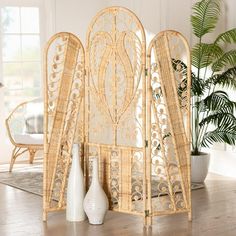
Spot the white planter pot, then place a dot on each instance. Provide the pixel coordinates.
(199, 167)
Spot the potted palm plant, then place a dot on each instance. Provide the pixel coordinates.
(213, 75)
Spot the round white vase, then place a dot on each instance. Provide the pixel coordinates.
(95, 201)
(75, 189)
(199, 167)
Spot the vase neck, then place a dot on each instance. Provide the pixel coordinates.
(95, 177)
(75, 155)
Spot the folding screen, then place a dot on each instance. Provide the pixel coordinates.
(134, 118)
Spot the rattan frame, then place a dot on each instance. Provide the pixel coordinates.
(20, 148)
(177, 200)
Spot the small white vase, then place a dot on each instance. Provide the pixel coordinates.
(75, 189)
(95, 202)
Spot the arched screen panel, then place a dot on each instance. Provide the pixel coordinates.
(169, 84)
(63, 99)
(116, 106)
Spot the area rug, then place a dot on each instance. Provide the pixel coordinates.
(24, 176)
(29, 178)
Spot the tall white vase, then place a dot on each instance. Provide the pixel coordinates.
(75, 189)
(95, 202)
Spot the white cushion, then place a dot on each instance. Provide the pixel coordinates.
(28, 138)
(34, 117)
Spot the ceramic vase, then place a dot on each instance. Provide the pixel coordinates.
(75, 189)
(95, 202)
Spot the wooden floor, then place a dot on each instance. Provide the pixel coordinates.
(214, 213)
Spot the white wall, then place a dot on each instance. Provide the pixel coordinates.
(223, 162)
(156, 15)
(74, 15)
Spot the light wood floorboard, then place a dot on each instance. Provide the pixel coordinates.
(214, 214)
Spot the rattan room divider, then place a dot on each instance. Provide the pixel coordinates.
(131, 114)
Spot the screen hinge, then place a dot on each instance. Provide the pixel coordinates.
(146, 71)
(146, 143)
(146, 213)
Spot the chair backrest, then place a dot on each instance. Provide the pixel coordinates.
(34, 117)
(26, 117)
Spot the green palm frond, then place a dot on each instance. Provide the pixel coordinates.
(227, 37)
(198, 86)
(220, 135)
(219, 119)
(212, 107)
(204, 54)
(226, 80)
(227, 59)
(205, 16)
(216, 101)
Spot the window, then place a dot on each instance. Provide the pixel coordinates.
(21, 53)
